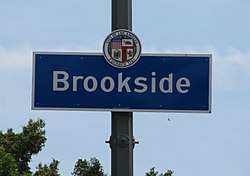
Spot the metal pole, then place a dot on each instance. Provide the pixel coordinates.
(121, 14)
(122, 143)
(121, 140)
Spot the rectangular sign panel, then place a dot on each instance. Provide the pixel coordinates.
(156, 83)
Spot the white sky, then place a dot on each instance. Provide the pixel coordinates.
(191, 144)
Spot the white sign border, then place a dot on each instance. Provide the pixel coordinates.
(122, 110)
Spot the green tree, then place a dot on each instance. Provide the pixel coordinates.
(8, 164)
(23, 145)
(152, 172)
(48, 170)
(88, 168)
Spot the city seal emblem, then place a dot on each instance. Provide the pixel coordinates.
(122, 48)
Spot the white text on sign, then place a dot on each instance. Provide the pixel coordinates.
(121, 84)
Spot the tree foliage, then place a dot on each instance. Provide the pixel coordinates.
(23, 145)
(153, 172)
(48, 170)
(8, 164)
(88, 168)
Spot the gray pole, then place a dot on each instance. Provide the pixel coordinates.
(122, 143)
(121, 140)
(121, 14)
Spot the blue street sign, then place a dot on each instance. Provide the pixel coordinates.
(156, 83)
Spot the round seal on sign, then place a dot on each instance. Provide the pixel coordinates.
(122, 48)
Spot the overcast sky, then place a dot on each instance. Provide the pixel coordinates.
(215, 144)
